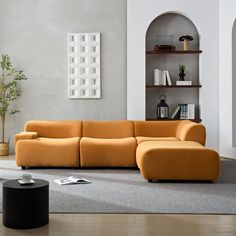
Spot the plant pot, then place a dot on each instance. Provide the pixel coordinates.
(181, 76)
(4, 149)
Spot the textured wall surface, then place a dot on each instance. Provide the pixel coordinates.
(227, 78)
(234, 83)
(34, 34)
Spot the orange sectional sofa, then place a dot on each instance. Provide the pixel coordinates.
(163, 150)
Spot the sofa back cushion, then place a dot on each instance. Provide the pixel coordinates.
(55, 129)
(156, 128)
(108, 129)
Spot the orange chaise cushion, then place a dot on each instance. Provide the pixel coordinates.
(177, 160)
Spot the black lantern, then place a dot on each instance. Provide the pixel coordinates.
(162, 108)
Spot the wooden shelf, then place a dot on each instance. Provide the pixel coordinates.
(194, 120)
(173, 86)
(174, 52)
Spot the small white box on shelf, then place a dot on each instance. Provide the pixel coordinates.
(182, 83)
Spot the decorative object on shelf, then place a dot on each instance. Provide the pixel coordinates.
(164, 43)
(161, 52)
(181, 72)
(9, 92)
(162, 77)
(184, 83)
(84, 65)
(164, 48)
(186, 39)
(162, 108)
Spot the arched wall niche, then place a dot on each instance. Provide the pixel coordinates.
(234, 84)
(180, 14)
(139, 16)
(176, 24)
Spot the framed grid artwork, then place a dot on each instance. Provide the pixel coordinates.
(84, 65)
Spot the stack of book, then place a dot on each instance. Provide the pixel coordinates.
(184, 111)
(162, 77)
(184, 82)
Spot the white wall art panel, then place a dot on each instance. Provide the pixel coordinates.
(84, 65)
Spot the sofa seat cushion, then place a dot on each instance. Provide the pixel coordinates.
(48, 152)
(96, 152)
(141, 139)
(177, 160)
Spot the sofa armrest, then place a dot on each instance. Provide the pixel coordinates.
(191, 131)
(25, 135)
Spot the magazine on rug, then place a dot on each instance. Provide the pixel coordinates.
(72, 180)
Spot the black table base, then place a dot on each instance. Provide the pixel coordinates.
(25, 206)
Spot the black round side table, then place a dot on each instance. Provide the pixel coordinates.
(25, 206)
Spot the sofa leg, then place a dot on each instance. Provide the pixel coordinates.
(23, 167)
(150, 180)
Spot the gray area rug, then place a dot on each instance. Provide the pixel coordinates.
(125, 191)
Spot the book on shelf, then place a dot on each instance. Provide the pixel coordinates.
(183, 111)
(157, 77)
(162, 77)
(167, 76)
(175, 113)
(187, 111)
(191, 111)
(183, 83)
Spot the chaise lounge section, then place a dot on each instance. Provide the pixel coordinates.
(174, 150)
(174, 160)
(163, 150)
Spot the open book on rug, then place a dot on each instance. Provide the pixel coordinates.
(72, 180)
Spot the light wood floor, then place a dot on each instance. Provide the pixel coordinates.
(130, 224)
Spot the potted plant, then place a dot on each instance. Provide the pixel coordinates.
(9, 92)
(181, 72)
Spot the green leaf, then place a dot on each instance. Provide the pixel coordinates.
(9, 90)
(14, 112)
